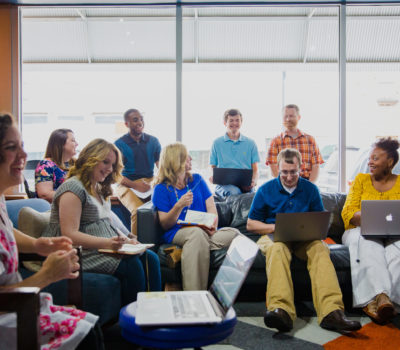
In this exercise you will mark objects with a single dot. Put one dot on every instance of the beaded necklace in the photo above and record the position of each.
(177, 197)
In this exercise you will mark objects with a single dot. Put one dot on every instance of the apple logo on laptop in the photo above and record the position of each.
(389, 217)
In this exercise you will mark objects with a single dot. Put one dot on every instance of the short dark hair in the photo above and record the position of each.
(288, 154)
(231, 113)
(6, 121)
(129, 111)
(296, 107)
(55, 146)
(390, 146)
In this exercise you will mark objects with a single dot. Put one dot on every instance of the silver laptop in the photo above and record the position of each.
(200, 307)
(298, 227)
(231, 176)
(380, 218)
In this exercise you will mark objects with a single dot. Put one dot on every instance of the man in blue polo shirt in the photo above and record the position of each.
(140, 152)
(234, 150)
(289, 193)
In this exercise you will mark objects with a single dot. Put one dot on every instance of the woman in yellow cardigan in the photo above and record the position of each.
(375, 263)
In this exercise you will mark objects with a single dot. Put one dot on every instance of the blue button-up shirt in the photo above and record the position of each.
(271, 198)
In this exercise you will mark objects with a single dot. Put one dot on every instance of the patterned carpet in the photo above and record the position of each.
(251, 334)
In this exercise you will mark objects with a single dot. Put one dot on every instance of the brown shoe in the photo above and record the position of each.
(384, 307)
(337, 321)
(372, 311)
(278, 319)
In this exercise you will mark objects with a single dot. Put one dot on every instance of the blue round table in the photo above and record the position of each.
(174, 337)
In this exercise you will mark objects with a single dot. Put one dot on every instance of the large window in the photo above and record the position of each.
(83, 67)
(373, 80)
(258, 59)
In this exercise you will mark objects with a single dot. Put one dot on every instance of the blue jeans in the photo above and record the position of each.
(229, 190)
(138, 273)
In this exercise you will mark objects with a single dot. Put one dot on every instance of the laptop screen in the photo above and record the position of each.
(233, 271)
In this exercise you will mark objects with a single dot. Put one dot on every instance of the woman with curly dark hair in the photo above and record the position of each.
(374, 263)
(81, 210)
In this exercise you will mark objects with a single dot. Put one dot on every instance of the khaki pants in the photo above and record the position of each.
(326, 292)
(196, 245)
(131, 201)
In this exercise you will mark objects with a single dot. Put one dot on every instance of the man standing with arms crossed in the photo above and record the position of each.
(234, 150)
(140, 152)
(290, 193)
(293, 137)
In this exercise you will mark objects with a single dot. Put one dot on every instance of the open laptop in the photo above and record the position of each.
(380, 218)
(297, 227)
(231, 176)
(200, 307)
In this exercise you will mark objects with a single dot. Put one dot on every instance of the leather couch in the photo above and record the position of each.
(233, 211)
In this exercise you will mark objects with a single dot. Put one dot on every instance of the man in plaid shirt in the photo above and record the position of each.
(293, 137)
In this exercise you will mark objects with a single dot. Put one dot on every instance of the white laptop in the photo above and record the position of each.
(380, 218)
(200, 307)
(297, 227)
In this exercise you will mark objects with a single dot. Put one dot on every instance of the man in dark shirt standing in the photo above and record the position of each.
(289, 193)
(140, 152)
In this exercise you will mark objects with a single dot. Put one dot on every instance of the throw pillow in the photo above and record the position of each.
(32, 222)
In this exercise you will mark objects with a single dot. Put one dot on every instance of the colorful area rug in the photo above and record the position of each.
(370, 337)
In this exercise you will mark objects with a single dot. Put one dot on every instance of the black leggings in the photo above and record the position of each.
(93, 340)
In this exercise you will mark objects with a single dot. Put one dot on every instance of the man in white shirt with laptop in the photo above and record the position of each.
(289, 193)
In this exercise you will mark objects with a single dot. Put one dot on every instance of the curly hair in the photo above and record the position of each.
(390, 146)
(6, 121)
(92, 154)
(172, 164)
(55, 146)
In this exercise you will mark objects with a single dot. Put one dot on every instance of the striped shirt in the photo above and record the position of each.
(304, 143)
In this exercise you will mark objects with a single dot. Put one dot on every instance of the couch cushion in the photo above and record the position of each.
(32, 222)
(334, 202)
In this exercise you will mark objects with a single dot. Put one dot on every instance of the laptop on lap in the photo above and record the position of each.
(297, 227)
(380, 218)
(200, 307)
(231, 176)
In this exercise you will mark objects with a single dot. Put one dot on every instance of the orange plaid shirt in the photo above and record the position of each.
(304, 143)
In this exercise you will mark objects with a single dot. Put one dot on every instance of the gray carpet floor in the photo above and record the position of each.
(251, 334)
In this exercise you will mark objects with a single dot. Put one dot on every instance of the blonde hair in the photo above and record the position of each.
(172, 164)
(95, 152)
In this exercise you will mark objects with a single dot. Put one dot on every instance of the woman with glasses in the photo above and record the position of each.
(177, 190)
(375, 263)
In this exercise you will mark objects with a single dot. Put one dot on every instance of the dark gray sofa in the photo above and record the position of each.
(233, 211)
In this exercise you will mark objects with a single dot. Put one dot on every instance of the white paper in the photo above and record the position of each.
(195, 217)
(142, 195)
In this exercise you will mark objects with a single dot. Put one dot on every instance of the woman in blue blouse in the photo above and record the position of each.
(176, 191)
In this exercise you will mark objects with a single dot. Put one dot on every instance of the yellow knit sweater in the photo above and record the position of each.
(362, 189)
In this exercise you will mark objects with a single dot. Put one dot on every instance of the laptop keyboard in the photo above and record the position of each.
(188, 306)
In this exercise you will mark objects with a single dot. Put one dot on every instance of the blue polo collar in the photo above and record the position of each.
(226, 138)
(299, 187)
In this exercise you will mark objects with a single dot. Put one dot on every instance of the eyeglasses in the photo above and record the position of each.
(289, 172)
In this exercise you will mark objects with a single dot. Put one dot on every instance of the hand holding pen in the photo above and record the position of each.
(186, 200)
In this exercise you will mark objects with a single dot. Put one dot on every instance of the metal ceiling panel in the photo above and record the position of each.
(322, 43)
(132, 41)
(61, 41)
(373, 41)
(252, 41)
